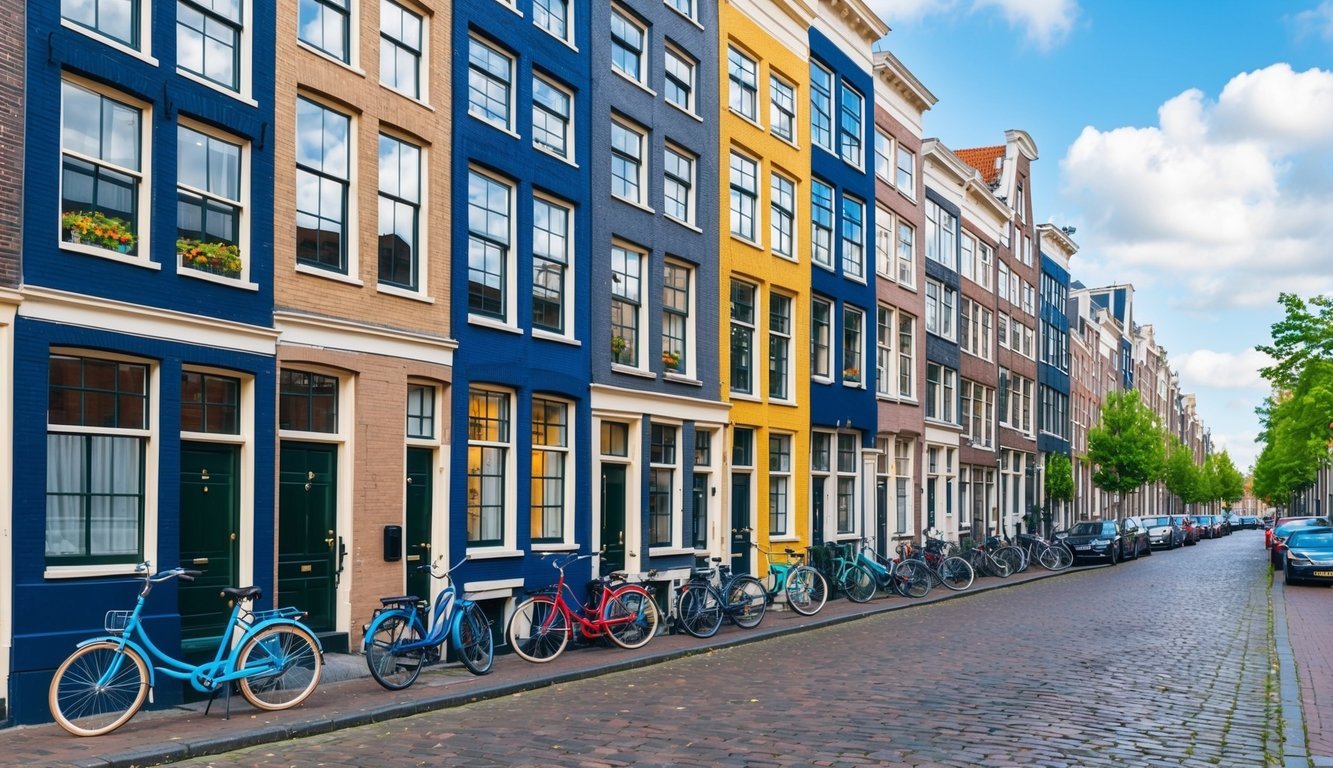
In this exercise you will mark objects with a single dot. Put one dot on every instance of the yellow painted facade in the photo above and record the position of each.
(774, 35)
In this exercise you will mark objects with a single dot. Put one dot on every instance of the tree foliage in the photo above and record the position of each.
(1180, 474)
(1230, 482)
(1059, 477)
(1298, 435)
(1303, 336)
(1127, 447)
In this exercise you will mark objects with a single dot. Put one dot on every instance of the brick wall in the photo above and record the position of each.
(11, 139)
(355, 89)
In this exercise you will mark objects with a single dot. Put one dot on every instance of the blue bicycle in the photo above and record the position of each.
(276, 662)
(397, 644)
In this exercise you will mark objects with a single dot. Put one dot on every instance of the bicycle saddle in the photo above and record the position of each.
(242, 593)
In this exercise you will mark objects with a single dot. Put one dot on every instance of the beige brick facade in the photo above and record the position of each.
(376, 339)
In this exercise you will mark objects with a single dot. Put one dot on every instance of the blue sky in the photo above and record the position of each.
(1190, 142)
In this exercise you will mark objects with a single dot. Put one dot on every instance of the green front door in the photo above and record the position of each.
(741, 528)
(308, 541)
(613, 517)
(210, 522)
(417, 515)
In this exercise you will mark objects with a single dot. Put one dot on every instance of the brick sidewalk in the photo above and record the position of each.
(1310, 632)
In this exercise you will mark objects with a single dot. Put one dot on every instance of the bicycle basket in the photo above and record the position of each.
(116, 621)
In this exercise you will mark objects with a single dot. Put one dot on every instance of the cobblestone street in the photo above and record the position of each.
(1163, 661)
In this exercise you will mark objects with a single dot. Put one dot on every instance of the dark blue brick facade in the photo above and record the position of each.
(833, 402)
(52, 614)
(510, 356)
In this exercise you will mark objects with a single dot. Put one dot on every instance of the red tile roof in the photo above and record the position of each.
(988, 160)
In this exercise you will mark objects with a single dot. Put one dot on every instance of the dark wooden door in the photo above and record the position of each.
(210, 524)
(308, 532)
(613, 517)
(817, 511)
(420, 486)
(742, 527)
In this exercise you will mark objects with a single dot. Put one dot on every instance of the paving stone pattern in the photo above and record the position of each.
(1161, 662)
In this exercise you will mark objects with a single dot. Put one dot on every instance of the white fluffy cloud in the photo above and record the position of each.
(1317, 21)
(1045, 23)
(1226, 200)
(1221, 370)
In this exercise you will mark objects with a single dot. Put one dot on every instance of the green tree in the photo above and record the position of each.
(1127, 447)
(1298, 431)
(1179, 473)
(1230, 482)
(1303, 336)
(1059, 482)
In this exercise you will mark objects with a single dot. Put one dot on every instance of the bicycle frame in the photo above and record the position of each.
(208, 677)
(445, 614)
(588, 617)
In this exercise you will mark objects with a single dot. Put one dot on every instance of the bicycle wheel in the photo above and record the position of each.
(393, 668)
(287, 663)
(1048, 559)
(630, 616)
(699, 610)
(806, 590)
(1013, 556)
(1063, 555)
(747, 600)
(956, 574)
(538, 630)
(473, 641)
(858, 584)
(997, 567)
(85, 706)
(911, 579)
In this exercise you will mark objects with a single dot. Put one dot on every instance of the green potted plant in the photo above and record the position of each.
(671, 359)
(213, 257)
(97, 229)
(618, 346)
(851, 374)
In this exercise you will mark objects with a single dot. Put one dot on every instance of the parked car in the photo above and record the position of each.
(1163, 531)
(1268, 535)
(1105, 540)
(1188, 528)
(1309, 555)
(1210, 525)
(1281, 533)
(1247, 523)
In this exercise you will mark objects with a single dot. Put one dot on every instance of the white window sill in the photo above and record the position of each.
(330, 58)
(234, 282)
(110, 255)
(327, 274)
(492, 554)
(403, 293)
(494, 324)
(630, 370)
(538, 333)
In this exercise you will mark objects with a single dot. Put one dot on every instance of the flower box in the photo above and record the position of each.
(851, 373)
(215, 258)
(671, 360)
(97, 229)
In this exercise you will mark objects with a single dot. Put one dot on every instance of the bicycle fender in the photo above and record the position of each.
(263, 625)
(365, 641)
(139, 649)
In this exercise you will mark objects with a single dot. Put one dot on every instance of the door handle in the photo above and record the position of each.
(622, 538)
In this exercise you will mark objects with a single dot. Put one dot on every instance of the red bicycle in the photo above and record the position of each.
(541, 626)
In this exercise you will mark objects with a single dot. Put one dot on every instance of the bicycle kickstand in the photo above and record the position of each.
(226, 697)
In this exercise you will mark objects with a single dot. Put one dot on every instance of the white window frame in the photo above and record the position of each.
(671, 179)
(480, 111)
(689, 314)
(782, 216)
(566, 120)
(637, 161)
(941, 393)
(569, 474)
(509, 281)
(785, 338)
(568, 274)
(641, 59)
(853, 241)
(821, 237)
(422, 52)
(742, 84)
(821, 350)
(823, 137)
(541, 14)
(675, 506)
(782, 118)
(851, 141)
(636, 297)
(689, 85)
(907, 355)
(741, 192)
(884, 244)
(750, 327)
(853, 351)
(509, 509)
(142, 174)
(884, 156)
(905, 250)
(905, 175)
(243, 203)
(941, 309)
(780, 476)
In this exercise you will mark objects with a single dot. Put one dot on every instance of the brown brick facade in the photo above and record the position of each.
(11, 140)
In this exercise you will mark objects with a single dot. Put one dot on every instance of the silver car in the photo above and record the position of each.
(1163, 532)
